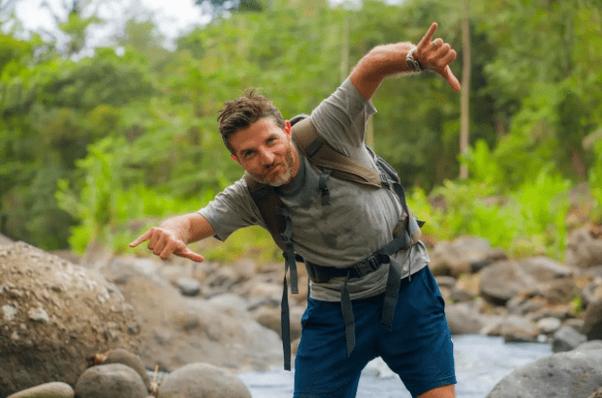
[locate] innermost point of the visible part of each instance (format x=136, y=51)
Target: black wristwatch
x=412, y=62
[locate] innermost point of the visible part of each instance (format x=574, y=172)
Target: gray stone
x=188, y=286
x=465, y=254
x=502, y=281
x=463, y=318
x=567, y=374
x=46, y=390
x=201, y=380
x=127, y=358
x=178, y=330
x=514, y=329
x=566, y=339
x=110, y=381
x=592, y=326
x=59, y=322
x=548, y=325
x=592, y=292
x=584, y=248
x=590, y=345
x=544, y=269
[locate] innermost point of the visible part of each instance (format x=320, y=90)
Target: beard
x=278, y=178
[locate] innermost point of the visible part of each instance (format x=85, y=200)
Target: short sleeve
x=232, y=209
x=341, y=118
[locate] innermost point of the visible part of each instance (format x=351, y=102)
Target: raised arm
x=172, y=235
x=391, y=59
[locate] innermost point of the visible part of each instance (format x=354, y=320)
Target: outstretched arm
x=390, y=59
x=174, y=233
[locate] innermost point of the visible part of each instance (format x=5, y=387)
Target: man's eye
x=247, y=155
x=272, y=140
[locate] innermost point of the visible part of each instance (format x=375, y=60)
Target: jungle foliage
x=95, y=145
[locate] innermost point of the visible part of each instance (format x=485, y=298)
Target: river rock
x=53, y=317
x=584, y=247
x=177, y=330
x=124, y=357
x=269, y=317
x=592, y=292
x=592, y=326
x=463, y=318
x=46, y=390
x=567, y=374
x=590, y=345
x=548, y=325
x=201, y=380
x=110, y=381
x=502, y=281
x=541, y=268
x=513, y=329
x=566, y=339
x=465, y=254
x=188, y=286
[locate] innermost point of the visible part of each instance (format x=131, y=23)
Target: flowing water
x=481, y=362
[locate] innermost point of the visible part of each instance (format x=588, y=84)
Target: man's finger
x=186, y=252
x=140, y=239
x=451, y=78
x=169, y=248
x=426, y=39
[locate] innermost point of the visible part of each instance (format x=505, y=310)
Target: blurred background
x=108, y=112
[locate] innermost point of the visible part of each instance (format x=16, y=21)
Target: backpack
x=277, y=219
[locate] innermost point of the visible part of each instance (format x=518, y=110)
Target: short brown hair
x=242, y=112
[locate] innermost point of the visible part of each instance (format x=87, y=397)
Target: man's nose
x=267, y=157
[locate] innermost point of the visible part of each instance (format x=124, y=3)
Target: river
x=481, y=362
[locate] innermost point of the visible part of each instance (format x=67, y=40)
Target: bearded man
x=369, y=296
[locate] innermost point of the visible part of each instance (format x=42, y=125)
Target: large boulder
x=201, y=380
x=177, y=330
x=584, y=247
x=568, y=374
x=465, y=254
x=53, y=317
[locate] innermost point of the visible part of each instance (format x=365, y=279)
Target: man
x=344, y=325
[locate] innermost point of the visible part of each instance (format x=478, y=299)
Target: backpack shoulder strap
x=268, y=202
x=321, y=154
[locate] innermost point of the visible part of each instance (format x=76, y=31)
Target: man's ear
x=288, y=127
x=234, y=157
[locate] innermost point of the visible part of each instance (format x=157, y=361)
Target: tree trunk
x=465, y=95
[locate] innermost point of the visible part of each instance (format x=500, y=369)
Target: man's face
x=266, y=152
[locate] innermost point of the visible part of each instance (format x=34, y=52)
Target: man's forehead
x=255, y=134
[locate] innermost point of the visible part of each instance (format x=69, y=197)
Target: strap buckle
x=369, y=264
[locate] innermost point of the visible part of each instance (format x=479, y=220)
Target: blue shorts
x=418, y=348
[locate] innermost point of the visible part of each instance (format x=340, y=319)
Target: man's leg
x=448, y=391
x=419, y=348
x=322, y=367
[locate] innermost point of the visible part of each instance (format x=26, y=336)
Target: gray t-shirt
x=359, y=219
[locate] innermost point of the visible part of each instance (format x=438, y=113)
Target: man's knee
x=448, y=391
